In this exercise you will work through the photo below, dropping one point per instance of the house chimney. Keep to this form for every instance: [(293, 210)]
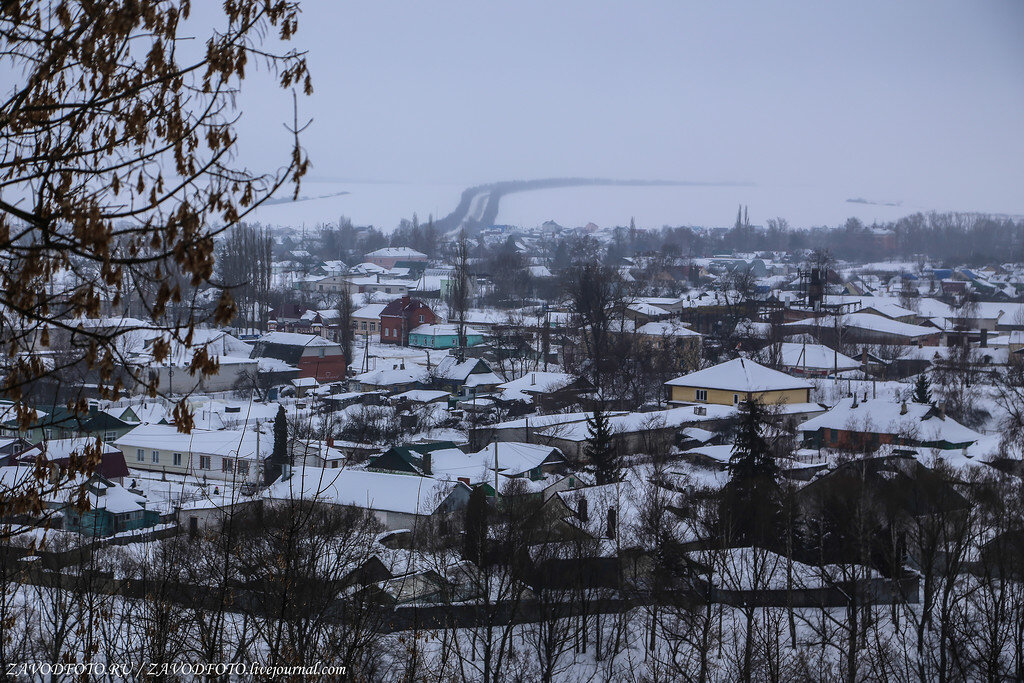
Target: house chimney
[(942, 411), (533, 378), (427, 463), (612, 519), (581, 509), (984, 338)]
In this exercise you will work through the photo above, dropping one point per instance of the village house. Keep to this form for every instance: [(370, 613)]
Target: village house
[(60, 451), (400, 317), (548, 391), (392, 379), (113, 509), (366, 320), (314, 356), (442, 336), (465, 379), (738, 380), (397, 501), (388, 257), (812, 360), (226, 454), (865, 426)]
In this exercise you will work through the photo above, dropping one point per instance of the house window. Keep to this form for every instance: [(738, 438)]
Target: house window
[(373, 326), (387, 290), (243, 468), (109, 436), (156, 456), (176, 459), (364, 325), (702, 394), (735, 399), (204, 462), (421, 318), (227, 464), (834, 435), (140, 455)]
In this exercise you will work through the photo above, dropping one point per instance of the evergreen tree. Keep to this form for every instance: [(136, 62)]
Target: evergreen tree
[(274, 466), (752, 499), (922, 390), (474, 539), (601, 451)]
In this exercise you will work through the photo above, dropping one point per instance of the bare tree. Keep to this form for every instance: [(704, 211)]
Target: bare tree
[(118, 141)]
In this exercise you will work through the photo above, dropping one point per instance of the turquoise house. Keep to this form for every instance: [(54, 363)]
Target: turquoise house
[(442, 336), (112, 509)]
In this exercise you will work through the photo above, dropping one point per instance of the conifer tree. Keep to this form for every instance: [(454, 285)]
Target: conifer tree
[(601, 451), (475, 527), (752, 500), (922, 390)]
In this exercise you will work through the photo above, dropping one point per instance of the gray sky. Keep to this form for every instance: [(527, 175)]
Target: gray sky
[(921, 98)]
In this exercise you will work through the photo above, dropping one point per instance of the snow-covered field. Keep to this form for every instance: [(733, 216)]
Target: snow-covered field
[(384, 205), (707, 206)]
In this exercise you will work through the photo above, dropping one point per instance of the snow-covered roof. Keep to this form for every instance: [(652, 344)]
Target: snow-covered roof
[(748, 569), (921, 422), (294, 339), (386, 377), (538, 383), (364, 489), (396, 252), (423, 395), (443, 330), (638, 422), (514, 457), (815, 356), (369, 311), (225, 442), (741, 375), (666, 328), (872, 322)]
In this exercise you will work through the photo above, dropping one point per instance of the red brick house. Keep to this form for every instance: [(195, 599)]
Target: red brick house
[(402, 315), (313, 355)]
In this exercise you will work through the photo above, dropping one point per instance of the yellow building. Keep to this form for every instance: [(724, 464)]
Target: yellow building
[(732, 382)]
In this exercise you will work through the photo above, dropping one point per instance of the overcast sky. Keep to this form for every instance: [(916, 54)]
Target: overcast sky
[(894, 99)]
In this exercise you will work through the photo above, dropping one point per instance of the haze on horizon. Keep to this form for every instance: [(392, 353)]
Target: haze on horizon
[(918, 101)]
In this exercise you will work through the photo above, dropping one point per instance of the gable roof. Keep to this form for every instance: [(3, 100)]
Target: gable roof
[(742, 375)]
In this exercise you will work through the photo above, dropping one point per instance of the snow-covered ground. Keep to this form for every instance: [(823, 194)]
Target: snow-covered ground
[(384, 205)]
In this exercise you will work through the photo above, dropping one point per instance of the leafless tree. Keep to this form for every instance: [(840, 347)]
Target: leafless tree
[(117, 173)]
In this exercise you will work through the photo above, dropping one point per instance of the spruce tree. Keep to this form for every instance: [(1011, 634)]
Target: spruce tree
[(752, 499), (922, 391), (281, 437), (474, 540), (600, 450)]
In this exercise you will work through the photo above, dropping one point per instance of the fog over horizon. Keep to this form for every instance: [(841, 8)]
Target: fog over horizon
[(915, 102)]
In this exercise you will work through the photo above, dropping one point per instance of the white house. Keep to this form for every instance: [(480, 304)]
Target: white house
[(227, 454)]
